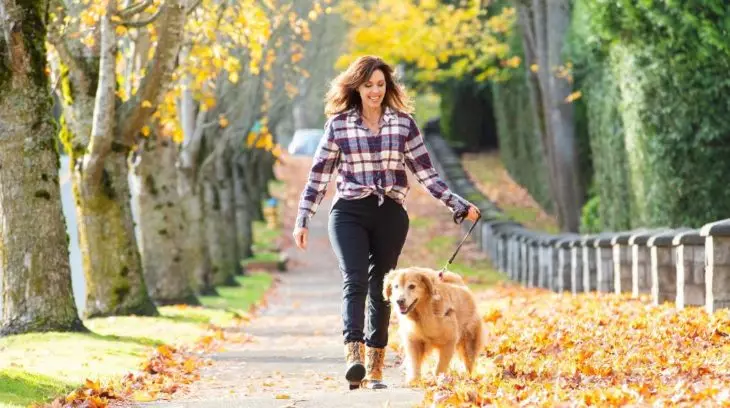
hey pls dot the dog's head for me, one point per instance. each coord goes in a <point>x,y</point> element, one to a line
<point>406,287</point>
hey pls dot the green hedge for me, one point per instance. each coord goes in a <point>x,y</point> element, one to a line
<point>670,61</point>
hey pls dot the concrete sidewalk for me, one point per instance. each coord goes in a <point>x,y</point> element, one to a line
<point>297,354</point>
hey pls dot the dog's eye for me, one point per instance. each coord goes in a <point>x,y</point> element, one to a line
<point>395,286</point>
<point>411,286</point>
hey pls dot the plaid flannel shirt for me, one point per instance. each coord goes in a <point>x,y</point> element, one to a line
<point>372,164</point>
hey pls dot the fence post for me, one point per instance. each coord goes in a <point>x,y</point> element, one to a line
<point>604,263</point>
<point>640,263</point>
<point>588,254</point>
<point>564,271</point>
<point>690,269</point>
<point>717,261</point>
<point>663,266</point>
<point>622,262</point>
<point>576,266</point>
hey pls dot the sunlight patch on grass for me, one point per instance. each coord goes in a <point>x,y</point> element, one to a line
<point>240,298</point>
<point>37,367</point>
<point>20,389</point>
<point>69,358</point>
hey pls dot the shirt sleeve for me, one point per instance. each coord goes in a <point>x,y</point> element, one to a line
<point>326,159</point>
<point>419,162</point>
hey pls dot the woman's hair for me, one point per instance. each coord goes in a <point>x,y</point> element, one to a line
<point>343,95</point>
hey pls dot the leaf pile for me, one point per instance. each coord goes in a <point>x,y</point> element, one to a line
<point>548,349</point>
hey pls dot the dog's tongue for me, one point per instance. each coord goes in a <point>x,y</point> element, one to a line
<point>403,309</point>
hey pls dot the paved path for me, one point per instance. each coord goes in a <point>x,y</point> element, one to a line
<point>298,351</point>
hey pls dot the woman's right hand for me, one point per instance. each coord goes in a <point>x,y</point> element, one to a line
<point>300,237</point>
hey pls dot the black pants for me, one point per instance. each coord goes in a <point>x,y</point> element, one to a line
<point>367,240</point>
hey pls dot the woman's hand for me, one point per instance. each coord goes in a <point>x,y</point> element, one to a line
<point>300,237</point>
<point>473,214</point>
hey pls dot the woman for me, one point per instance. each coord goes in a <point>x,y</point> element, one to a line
<point>371,139</point>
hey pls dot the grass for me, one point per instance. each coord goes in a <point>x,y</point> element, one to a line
<point>37,367</point>
<point>17,388</point>
<point>487,170</point>
<point>262,257</point>
<point>240,298</point>
<point>264,237</point>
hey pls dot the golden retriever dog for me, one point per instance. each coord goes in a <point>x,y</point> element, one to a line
<point>435,313</point>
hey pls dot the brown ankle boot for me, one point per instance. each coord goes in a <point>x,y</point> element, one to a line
<point>374,362</point>
<point>354,352</point>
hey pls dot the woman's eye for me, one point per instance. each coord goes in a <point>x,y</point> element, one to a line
<point>411,287</point>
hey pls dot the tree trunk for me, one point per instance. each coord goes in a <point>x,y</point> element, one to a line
<point>545,24</point>
<point>161,224</point>
<point>244,223</point>
<point>248,163</point>
<point>526,18</point>
<point>112,264</point>
<point>561,118</point>
<point>214,224</point>
<point>539,23</point>
<point>265,172</point>
<point>228,235</point>
<point>35,276</point>
<point>193,243</point>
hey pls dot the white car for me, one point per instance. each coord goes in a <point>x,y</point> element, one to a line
<point>304,142</point>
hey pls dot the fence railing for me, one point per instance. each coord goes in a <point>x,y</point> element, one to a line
<point>690,267</point>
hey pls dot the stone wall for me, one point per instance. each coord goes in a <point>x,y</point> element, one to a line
<point>685,266</point>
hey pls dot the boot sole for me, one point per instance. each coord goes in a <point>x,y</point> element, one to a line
<point>355,374</point>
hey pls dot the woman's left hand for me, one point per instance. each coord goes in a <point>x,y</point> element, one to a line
<point>473,214</point>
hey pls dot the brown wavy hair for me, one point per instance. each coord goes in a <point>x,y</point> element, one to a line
<point>343,96</point>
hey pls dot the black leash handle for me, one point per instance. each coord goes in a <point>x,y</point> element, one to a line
<point>462,242</point>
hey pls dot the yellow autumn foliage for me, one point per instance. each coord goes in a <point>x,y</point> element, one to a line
<point>441,41</point>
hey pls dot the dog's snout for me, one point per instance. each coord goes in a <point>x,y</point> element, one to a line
<point>400,302</point>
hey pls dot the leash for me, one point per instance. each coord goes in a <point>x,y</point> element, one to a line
<point>441,272</point>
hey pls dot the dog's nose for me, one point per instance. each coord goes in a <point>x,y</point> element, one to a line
<point>400,302</point>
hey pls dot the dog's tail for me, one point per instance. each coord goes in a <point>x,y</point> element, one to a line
<point>451,277</point>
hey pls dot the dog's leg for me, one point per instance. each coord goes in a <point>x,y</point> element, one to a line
<point>445,353</point>
<point>468,351</point>
<point>471,345</point>
<point>415,352</point>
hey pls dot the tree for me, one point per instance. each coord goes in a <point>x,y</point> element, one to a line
<point>35,276</point>
<point>544,25</point>
<point>99,131</point>
<point>439,41</point>
<point>230,72</point>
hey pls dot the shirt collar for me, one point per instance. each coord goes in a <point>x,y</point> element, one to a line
<point>353,116</point>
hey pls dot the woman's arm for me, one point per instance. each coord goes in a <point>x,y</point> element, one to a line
<point>419,162</point>
<point>325,161</point>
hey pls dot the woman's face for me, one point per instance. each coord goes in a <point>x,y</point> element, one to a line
<point>373,90</point>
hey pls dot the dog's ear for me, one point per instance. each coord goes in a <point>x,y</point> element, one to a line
<point>427,283</point>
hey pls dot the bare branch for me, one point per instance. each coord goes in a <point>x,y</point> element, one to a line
<point>193,7</point>
<point>133,10</point>
<point>102,130</point>
<point>142,23</point>
<point>137,110</point>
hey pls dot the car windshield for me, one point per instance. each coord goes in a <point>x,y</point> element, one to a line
<point>305,141</point>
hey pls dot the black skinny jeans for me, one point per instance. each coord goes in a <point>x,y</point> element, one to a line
<point>367,240</point>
